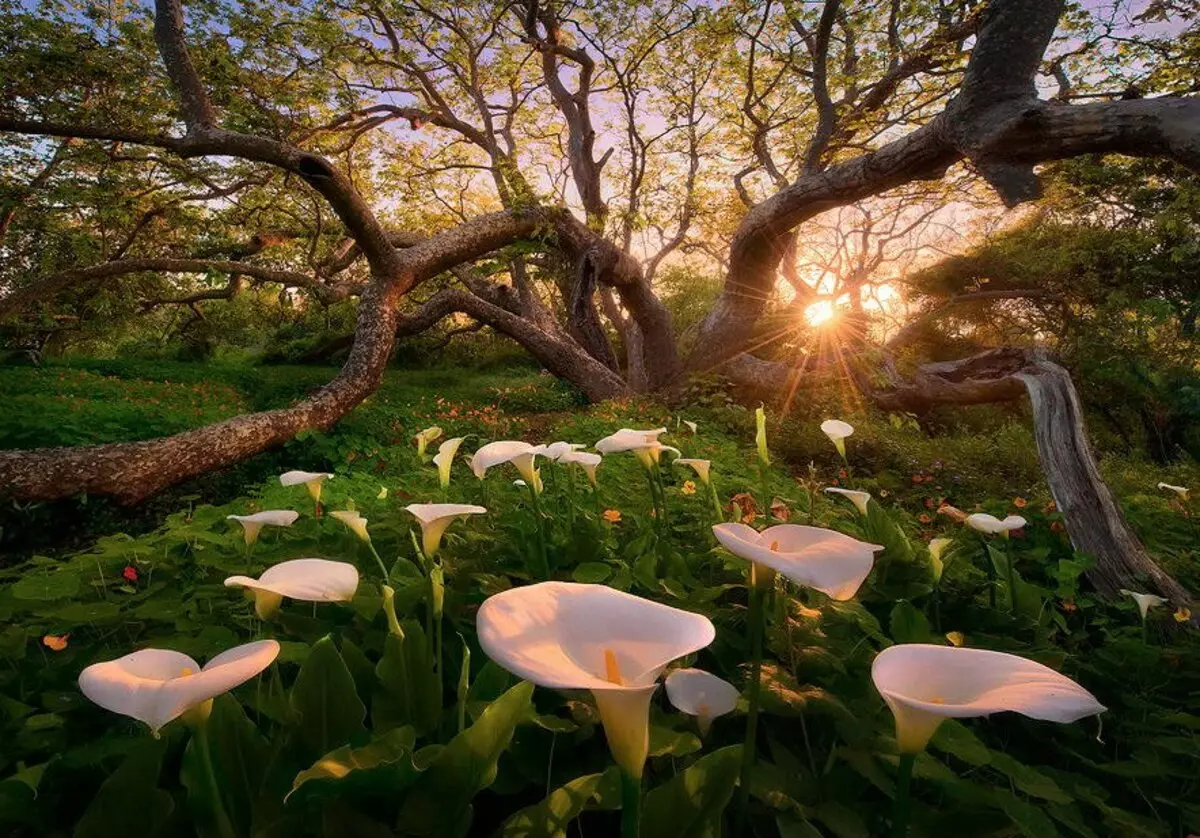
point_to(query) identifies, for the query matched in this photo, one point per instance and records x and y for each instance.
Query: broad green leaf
(908, 624)
(667, 742)
(956, 739)
(324, 698)
(464, 767)
(1029, 819)
(239, 757)
(130, 801)
(408, 691)
(551, 817)
(395, 745)
(46, 587)
(591, 572)
(692, 802)
(1029, 780)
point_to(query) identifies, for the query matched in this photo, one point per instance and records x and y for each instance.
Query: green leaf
(551, 817)
(409, 691)
(667, 742)
(692, 802)
(240, 756)
(956, 739)
(591, 572)
(908, 624)
(392, 747)
(130, 801)
(1029, 780)
(46, 587)
(325, 699)
(464, 767)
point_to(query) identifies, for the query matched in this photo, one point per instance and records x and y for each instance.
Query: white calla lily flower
(423, 438)
(252, 524)
(355, 521)
(859, 499)
(444, 459)
(1183, 491)
(157, 685)
(307, 580)
(644, 445)
(628, 439)
(555, 450)
(701, 467)
(991, 525)
(586, 460)
(826, 560)
(691, 426)
(520, 454)
(434, 518)
(1145, 601)
(925, 684)
(570, 636)
(701, 694)
(312, 481)
(837, 431)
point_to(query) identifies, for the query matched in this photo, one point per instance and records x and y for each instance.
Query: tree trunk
(133, 471)
(1094, 520)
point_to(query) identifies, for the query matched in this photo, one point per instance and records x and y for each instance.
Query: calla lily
(382, 493)
(936, 547)
(760, 435)
(444, 458)
(520, 454)
(570, 636)
(157, 685)
(644, 445)
(701, 694)
(312, 480)
(252, 524)
(308, 580)
(924, 684)
(423, 438)
(434, 518)
(555, 450)
(1145, 601)
(837, 431)
(356, 522)
(586, 460)
(1183, 491)
(701, 467)
(828, 561)
(859, 499)
(991, 525)
(691, 426)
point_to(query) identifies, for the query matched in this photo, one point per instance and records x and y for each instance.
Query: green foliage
(356, 731)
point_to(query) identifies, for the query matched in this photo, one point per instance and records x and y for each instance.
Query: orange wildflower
(613, 516)
(56, 642)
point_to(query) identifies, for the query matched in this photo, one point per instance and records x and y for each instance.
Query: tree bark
(1094, 520)
(133, 471)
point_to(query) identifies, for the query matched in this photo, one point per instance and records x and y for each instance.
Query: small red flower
(130, 573)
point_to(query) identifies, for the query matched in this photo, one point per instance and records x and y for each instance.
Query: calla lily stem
(755, 627)
(379, 560)
(631, 805)
(903, 800)
(224, 825)
(541, 531)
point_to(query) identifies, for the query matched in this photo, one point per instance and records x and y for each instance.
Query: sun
(820, 314)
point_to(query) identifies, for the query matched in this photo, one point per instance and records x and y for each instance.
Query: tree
(882, 97)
